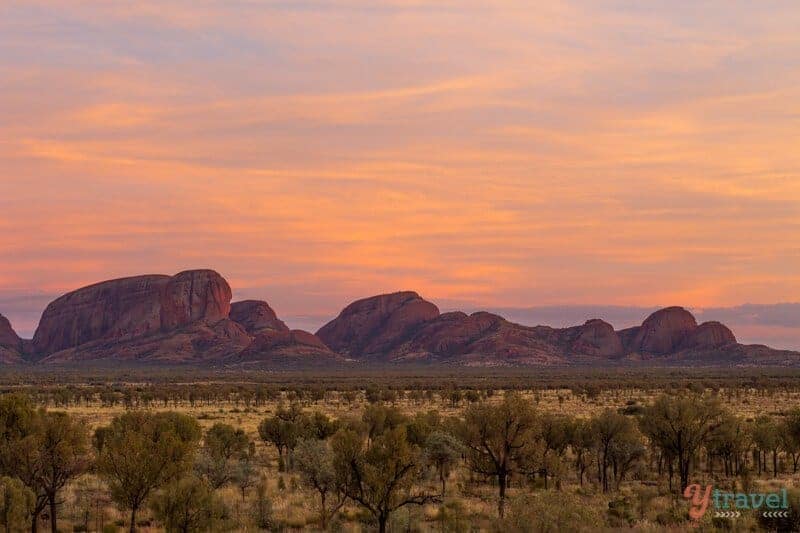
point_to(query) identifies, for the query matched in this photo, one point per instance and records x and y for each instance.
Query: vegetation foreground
(255, 456)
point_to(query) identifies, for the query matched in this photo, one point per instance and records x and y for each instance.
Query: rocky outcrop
(288, 347)
(256, 317)
(128, 308)
(663, 332)
(188, 318)
(403, 327)
(8, 337)
(193, 296)
(594, 338)
(10, 343)
(199, 342)
(673, 330)
(373, 326)
(709, 335)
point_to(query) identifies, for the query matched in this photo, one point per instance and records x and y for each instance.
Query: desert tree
(223, 446)
(379, 475)
(140, 452)
(379, 418)
(188, 504)
(729, 441)
(790, 437)
(582, 444)
(314, 461)
(615, 437)
(244, 473)
(442, 451)
(497, 438)
(421, 425)
(555, 433)
(20, 431)
(766, 435)
(283, 430)
(16, 505)
(61, 454)
(45, 450)
(679, 426)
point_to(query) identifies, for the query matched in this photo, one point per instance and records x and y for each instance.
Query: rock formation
(372, 326)
(404, 327)
(10, 343)
(189, 318)
(663, 332)
(709, 335)
(9, 337)
(256, 316)
(127, 308)
(167, 319)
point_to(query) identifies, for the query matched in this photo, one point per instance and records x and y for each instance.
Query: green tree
(16, 504)
(141, 452)
(379, 418)
(614, 437)
(766, 436)
(284, 429)
(679, 426)
(314, 460)
(223, 446)
(45, 450)
(497, 438)
(61, 455)
(582, 443)
(790, 436)
(729, 441)
(188, 505)
(19, 424)
(442, 451)
(379, 476)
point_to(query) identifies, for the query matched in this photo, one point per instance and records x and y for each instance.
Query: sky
(496, 154)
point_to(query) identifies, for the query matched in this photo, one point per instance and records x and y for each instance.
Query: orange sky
(482, 153)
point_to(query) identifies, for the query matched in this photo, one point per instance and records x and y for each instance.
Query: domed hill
(156, 318)
(256, 316)
(404, 327)
(672, 330)
(189, 318)
(373, 326)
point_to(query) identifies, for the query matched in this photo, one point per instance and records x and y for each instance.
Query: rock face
(256, 317)
(709, 335)
(663, 332)
(595, 338)
(193, 296)
(8, 337)
(186, 318)
(10, 343)
(372, 326)
(128, 308)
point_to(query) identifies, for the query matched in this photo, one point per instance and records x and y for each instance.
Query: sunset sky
(484, 153)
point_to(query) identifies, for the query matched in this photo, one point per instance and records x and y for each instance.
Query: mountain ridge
(189, 318)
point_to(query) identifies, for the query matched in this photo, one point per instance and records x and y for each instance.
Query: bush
(620, 513)
(549, 512)
(16, 504)
(262, 507)
(188, 504)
